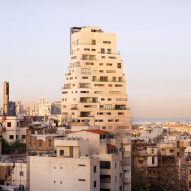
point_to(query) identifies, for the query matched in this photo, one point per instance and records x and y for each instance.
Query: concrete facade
(95, 88)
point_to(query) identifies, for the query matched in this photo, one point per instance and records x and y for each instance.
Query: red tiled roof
(96, 131)
(110, 146)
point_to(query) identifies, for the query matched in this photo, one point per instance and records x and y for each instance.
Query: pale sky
(154, 38)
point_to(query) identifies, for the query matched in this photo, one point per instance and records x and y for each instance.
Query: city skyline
(154, 42)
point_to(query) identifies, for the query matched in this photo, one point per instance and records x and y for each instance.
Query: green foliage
(139, 182)
(13, 148)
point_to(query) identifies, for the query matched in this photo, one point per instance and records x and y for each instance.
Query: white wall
(58, 174)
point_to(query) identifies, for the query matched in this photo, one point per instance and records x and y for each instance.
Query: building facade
(95, 88)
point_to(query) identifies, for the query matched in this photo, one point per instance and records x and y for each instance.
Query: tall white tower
(94, 87)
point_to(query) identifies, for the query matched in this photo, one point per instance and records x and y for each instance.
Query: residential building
(72, 169)
(56, 108)
(43, 108)
(13, 171)
(94, 88)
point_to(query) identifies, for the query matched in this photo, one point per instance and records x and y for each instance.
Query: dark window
(23, 136)
(61, 152)
(105, 178)
(102, 50)
(94, 184)
(105, 164)
(94, 169)
(171, 150)
(8, 124)
(81, 179)
(93, 42)
(118, 65)
(153, 160)
(81, 165)
(21, 173)
(11, 136)
(16, 137)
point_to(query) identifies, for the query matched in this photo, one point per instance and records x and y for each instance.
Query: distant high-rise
(95, 88)
(5, 98)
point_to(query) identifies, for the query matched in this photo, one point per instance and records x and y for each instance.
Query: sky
(153, 37)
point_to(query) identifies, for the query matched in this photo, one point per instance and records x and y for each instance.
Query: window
(49, 142)
(40, 143)
(81, 165)
(21, 173)
(23, 136)
(108, 106)
(102, 50)
(106, 42)
(94, 184)
(105, 165)
(93, 42)
(11, 136)
(118, 85)
(61, 152)
(105, 178)
(118, 65)
(85, 71)
(16, 137)
(153, 160)
(94, 169)
(189, 184)
(110, 71)
(84, 77)
(171, 150)
(109, 51)
(81, 179)
(103, 78)
(8, 124)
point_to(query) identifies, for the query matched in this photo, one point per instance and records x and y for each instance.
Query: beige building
(12, 129)
(5, 97)
(95, 88)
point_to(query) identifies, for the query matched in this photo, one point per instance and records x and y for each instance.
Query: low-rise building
(71, 169)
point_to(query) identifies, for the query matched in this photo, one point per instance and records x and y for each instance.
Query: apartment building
(94, 88)
(72, 169)
(13, 172)
(112, 151)
(12, 129)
